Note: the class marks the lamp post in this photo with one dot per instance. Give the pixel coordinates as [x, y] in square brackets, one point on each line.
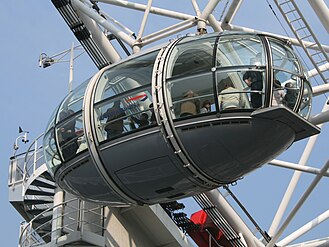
[46, 61]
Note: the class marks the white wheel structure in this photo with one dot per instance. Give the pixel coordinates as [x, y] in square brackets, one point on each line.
[288, 198]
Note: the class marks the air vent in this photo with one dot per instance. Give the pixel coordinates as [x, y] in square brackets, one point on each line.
[231, 122]
[164, 190]
[198, 126]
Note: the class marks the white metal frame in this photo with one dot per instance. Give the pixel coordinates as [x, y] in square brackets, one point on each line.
[203, 19]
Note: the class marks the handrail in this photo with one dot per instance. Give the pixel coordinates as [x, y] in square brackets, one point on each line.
[29, 233]
[35, 150]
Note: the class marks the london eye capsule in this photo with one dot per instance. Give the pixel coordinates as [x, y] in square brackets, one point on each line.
[170, 123]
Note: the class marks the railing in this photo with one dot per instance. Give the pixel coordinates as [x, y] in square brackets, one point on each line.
[35, 160]
[76, 215]
[23, 166]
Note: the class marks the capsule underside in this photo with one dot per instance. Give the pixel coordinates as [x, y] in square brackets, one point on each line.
[171, 123]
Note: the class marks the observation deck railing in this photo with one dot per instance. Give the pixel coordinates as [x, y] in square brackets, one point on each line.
[76, 215]
[24, 165]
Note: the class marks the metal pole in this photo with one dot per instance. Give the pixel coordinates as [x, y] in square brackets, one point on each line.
[100, 39]
[293, 41]
[232, 217]
[57, 223]
[202, 22]
[101, 21]
[153, 10]
[293, 183]
[298, 205]
[234, 7]
[187, 26]
[318, 90]
[314, 72]
[297, 167]
[320, 118]
[71, 67]
[147, 11]
[196, 8]
[35, 156]
[322, 11]
[307, 227]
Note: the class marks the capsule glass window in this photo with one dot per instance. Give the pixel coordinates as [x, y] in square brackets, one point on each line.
[286, 89]
[284, 58]
[50, 151]
[73, 102]
[70, 136]
[191, 95]
[239, 50]
[117, 116]
[240, 90]
[306, 102]
[134, 73]
[191, 57]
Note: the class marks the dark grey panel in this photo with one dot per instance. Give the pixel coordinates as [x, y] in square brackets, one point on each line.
[228, 149]
[82, 179]
[144, 165]
[155, 180]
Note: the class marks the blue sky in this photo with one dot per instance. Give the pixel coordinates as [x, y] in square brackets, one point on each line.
[29, 94]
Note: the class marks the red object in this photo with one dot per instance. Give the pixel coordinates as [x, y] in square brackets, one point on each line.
[201, 236]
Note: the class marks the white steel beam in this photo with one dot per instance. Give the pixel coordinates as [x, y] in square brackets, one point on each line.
[321, 89]
[196, 8]
[234, 7]
[322, 11]
[323, 242]
[153, 10]
[103, 22]
[167, 31]
[298, 205]
[314, 72]
[211, 19]
[304, 229]
[116, 22]
[322, 117]
[146, 14]
[100, 39]
[293, 183]
[292, 40]
[209, 9]
[297, 167]
[214, 23]
[232, 217]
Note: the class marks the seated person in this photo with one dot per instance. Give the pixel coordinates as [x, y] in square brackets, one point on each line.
[230, 97]
[190, 106]
[142, 121]
[205, 107]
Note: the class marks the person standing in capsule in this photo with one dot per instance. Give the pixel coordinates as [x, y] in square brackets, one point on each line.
[114, 120]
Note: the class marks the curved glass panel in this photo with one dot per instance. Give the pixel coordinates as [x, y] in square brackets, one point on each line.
[50, 151]
[306, 103]
[123, 114]
[234, 92]
[128, 75]
[286, 89]
[191, 95]
[70, 137]
[239, 50]
[73, 102]
[191, 57]
[51, 122]
[283, 57]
